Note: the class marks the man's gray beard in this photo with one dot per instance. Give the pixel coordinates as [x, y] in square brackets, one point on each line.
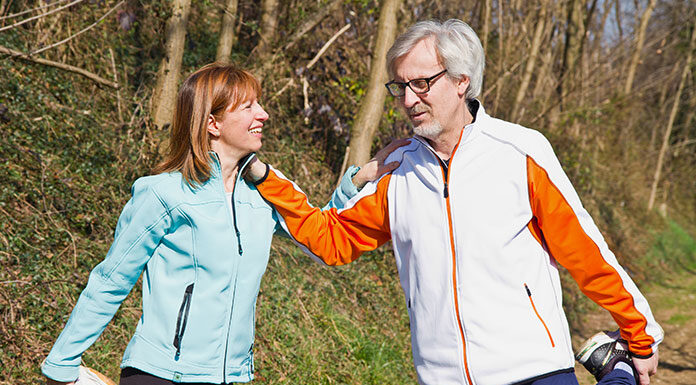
[429, 130]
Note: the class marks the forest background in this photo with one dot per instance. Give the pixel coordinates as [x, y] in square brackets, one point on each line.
[86, 90]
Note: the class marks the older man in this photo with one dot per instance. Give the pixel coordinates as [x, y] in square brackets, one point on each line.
[480, 214]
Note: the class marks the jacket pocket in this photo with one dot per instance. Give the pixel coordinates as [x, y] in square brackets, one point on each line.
[181, 319]
[531, 301]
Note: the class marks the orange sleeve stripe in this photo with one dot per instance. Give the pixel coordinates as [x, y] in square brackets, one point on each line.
[573, 248]
[335, 236]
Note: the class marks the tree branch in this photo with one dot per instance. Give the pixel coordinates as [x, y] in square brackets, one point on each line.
[31, 10]
[310, 24]
[17, 24]
[63, 66]
[80, 32]
[327, 45]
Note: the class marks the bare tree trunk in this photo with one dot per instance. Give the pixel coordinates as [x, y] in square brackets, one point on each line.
[501, 54]
[619, 26]
[267, 30]
[571, 51]
[531, 61]
[639, 41]
[486, 23]
[164, 95]
[662, 103]
[372, 106]
[227, 32]
[670, 122]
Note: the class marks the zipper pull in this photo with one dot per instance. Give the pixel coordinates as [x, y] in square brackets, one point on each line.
[446, 192]
[529, 293]
[239, 243]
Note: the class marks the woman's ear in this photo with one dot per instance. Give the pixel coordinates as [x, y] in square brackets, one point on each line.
[213, 126]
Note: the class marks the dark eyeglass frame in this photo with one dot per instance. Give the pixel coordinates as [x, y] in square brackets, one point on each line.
[403, 85]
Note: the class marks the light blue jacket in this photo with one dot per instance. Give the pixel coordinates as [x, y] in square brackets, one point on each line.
[201, 276]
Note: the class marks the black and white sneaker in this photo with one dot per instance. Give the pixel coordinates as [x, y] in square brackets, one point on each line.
[601, 352]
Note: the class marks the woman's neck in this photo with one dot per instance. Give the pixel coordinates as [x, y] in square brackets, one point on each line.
[229, 165]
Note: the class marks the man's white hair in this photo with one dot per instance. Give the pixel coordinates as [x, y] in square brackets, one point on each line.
[458, 48]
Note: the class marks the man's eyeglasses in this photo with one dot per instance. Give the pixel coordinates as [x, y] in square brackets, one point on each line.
[418, 86]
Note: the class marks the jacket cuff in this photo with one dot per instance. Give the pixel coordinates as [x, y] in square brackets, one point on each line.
[346, 186]
[642, 356]
[61, 373]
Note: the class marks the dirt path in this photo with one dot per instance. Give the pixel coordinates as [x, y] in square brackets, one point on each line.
[674, 306]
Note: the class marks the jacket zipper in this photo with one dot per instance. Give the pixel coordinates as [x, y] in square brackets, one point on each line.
[233, 284]
[445, 168]
[181, 320]
[529, 294]
[234, 221]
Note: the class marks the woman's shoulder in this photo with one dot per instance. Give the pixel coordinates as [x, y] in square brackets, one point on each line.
[167, 186]
[166, 180]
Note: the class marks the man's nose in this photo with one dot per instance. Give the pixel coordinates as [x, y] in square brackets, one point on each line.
[410, 98]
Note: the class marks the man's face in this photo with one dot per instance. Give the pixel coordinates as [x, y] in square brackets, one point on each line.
[431, 113]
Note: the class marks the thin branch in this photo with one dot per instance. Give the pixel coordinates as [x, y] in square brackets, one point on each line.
[63, 66]
[326, 45]
[118, 93]
[310, 24]
[79, 33]
[40, 16]
[32, 10]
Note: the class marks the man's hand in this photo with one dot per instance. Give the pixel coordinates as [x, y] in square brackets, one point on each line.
[375, 167]
[645, 367]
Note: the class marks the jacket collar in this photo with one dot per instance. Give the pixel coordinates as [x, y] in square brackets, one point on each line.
[217, 167]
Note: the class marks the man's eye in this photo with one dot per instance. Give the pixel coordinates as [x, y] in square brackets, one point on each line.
[419, 83]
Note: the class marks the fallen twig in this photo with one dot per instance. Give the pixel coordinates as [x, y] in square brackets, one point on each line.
[63, 66]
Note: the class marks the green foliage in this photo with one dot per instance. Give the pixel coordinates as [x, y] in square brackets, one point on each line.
[672, 248]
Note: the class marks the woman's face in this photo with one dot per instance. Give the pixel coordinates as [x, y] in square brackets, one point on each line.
[239, 129]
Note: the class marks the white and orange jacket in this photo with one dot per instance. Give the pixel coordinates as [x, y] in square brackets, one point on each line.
[477, 247]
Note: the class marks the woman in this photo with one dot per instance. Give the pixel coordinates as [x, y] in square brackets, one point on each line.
[202, 237]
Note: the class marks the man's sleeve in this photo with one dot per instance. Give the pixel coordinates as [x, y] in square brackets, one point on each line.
[575, 242]
[332, 236]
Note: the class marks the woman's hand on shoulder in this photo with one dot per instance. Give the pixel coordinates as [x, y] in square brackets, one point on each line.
[255, 170]
[375, 167]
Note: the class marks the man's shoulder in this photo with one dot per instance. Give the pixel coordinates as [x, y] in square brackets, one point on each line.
[408, 150]
[526, 139]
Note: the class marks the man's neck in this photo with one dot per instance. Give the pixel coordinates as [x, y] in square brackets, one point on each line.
[445, 143]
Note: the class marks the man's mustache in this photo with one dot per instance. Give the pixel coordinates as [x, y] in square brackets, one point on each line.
[417, 109]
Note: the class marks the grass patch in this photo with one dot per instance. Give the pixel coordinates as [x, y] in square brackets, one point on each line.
[673, 247]
[679, 319]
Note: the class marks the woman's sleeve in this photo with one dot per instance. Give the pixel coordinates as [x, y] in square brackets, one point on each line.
[345, 190]
[141, 226]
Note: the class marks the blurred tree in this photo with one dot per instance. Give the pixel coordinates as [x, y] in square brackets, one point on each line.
[227, 32]
[670, 122]
[372, 105]
[267, 28]
[639, 41]
[540, 23]
[164, 94]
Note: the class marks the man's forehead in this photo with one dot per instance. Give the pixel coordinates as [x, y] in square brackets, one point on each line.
[419, 62]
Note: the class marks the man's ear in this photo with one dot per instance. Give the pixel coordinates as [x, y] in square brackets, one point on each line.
[213, 126]
[463, 85]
